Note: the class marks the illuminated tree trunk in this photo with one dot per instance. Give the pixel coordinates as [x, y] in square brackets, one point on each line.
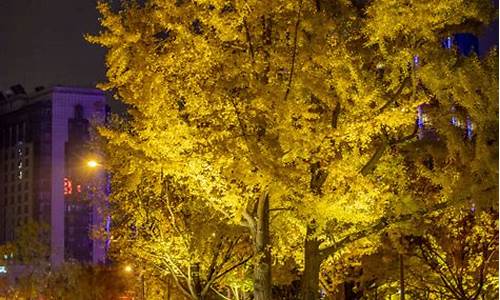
[262, 267]
[401, 277]
[312, 263]
[195, 275]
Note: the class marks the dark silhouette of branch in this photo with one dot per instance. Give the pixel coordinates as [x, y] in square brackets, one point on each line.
[335, 115]
[249, 40]
[380, 225]
[395, 96]
[294, 51]
[372, 163]
[233, 267]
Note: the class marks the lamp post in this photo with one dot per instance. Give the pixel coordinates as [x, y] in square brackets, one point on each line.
[101, 210]
[128, 269]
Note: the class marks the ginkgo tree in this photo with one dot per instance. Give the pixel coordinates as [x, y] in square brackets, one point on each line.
[165, 235]
[291, 108]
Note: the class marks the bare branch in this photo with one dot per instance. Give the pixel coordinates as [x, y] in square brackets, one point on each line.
[233, 267]
[249, 40]
[395, 96]
[213, 263]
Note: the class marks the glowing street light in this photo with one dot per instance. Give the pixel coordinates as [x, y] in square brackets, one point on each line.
[92, 163]
[128, 269]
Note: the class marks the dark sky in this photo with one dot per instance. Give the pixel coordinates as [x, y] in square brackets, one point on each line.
[41, 43]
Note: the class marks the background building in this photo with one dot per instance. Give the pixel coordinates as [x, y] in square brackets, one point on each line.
[43, 175]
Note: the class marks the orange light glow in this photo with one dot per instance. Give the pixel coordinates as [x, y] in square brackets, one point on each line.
[92, 164]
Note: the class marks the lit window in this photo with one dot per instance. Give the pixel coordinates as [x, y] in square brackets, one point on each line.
[68, 189]
[448, 42]
[469, 127]
[422, 118]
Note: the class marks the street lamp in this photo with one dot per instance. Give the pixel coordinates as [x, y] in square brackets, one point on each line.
[92, 163]
[98, 182]
[128, 269]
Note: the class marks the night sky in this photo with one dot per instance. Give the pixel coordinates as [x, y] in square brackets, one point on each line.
[41, 43]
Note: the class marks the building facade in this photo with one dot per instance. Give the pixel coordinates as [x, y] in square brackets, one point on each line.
[44, 179]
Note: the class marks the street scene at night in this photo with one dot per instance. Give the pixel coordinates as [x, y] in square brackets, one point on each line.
[249, 150]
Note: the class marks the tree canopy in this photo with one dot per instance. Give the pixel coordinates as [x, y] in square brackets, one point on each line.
[309, 106]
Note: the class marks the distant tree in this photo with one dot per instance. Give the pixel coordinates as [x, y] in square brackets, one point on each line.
[455, 257]
[458, 257]
[295, 112]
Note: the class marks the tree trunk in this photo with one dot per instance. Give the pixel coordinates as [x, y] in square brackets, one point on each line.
[195, 275]
[312, 263]
[262, 267]
[401, 277]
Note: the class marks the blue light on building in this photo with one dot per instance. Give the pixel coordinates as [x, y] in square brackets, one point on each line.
[466, 43]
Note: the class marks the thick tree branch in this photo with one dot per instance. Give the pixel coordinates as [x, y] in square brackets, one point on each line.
[372, 163]
[233, 267]
[294, 51]
[380, 225]
[250, 222]
[249, 40]
[335, 115]
[395, 96]
[213, 263]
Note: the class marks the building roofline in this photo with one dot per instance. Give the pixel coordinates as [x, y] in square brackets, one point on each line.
[77, 90]
[19, 101]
